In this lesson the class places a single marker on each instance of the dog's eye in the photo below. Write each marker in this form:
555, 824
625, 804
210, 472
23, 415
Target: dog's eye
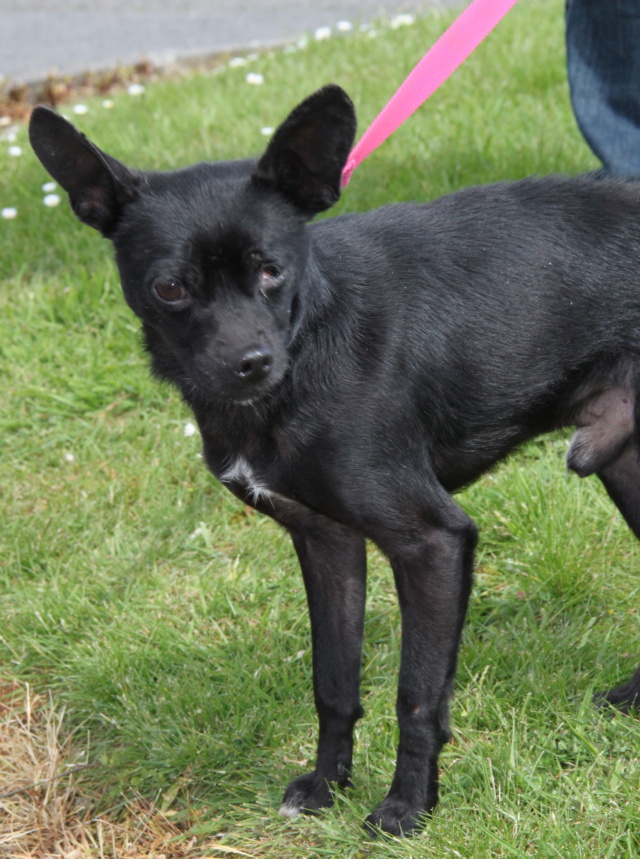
170, 290
270, 277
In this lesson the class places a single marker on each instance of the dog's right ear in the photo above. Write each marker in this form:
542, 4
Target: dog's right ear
307, 153
97, 184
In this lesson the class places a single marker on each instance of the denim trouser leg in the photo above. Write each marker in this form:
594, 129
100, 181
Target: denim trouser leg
603, 63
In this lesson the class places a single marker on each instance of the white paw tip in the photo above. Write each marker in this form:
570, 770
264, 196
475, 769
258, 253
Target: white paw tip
287, 810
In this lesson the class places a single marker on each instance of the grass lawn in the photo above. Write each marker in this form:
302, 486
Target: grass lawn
163, 626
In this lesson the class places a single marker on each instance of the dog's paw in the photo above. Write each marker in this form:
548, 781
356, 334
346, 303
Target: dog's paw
395, 817
306, 795
625, 698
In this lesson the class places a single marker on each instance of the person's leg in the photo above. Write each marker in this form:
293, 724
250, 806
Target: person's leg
603, 64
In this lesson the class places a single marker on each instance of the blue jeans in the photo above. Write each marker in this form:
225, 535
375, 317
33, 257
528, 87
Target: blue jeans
603, 65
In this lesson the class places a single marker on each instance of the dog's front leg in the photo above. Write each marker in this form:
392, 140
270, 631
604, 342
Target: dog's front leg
433, 572
333, 561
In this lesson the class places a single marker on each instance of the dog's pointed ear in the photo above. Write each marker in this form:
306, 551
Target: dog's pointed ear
97, 184
306, 156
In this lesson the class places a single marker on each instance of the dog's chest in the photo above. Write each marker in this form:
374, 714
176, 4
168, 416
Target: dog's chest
242, 473
265, 468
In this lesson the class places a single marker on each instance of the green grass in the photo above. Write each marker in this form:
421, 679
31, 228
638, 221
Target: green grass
171, 621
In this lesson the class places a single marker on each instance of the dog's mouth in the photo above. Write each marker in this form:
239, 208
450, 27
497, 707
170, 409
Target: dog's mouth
249, 402
256, 381
257, 393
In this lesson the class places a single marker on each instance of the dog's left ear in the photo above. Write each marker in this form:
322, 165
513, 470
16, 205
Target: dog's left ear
307, 154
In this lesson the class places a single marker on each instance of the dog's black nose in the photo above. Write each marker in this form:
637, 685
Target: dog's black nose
255, 365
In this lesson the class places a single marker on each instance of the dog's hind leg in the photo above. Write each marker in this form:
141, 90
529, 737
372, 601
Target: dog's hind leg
605, 444
621, 479
333, 562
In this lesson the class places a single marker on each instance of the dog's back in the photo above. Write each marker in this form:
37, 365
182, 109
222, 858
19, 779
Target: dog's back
485, 317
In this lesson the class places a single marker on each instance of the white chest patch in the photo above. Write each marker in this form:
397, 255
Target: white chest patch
241, 472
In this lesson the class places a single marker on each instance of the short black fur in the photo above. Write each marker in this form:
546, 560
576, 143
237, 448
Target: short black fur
348, 376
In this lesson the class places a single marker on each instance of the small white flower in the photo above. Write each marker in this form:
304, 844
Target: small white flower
255, 78
404, 20
15, 151
80, 109
322, 33
237, 62
344, 26
107, 104
69, 457
4, 121
9, 213
302, 43
49, 187
189, 429
136, 89
267, 131
51, 201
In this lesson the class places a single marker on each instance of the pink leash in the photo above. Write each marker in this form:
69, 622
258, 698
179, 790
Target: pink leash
451, 49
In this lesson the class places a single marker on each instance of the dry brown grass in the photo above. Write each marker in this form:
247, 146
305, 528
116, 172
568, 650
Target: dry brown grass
17, 99
43, 812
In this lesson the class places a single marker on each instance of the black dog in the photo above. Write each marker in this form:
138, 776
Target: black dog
348, 376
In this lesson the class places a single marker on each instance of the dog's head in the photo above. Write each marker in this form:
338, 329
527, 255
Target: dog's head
211, 257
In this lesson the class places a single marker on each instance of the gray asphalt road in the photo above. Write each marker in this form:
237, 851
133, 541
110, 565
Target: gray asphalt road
68, 37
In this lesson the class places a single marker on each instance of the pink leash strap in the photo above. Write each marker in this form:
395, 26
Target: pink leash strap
451, 49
